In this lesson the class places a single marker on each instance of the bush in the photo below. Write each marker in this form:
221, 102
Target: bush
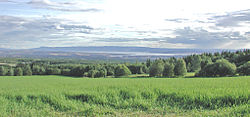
122, 70
220, 68
244, 69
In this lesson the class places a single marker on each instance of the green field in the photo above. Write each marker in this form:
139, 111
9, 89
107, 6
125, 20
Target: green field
67, 96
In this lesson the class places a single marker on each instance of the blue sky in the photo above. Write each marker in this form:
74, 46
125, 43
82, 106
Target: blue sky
145, 23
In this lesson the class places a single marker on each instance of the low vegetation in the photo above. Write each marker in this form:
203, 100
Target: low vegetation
67, 96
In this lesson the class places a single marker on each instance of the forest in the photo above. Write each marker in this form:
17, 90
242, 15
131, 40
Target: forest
215, 64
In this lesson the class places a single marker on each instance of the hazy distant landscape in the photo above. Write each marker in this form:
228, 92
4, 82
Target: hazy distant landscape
104, 52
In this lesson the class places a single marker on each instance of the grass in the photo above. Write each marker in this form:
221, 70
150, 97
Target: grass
66, 96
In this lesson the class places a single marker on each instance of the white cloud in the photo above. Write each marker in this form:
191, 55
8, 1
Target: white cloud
152, 23
77, 6
4, 0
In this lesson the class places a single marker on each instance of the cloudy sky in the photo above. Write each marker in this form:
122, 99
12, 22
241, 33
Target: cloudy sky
144, 23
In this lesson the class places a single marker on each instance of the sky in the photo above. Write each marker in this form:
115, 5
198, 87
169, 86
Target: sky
204, 24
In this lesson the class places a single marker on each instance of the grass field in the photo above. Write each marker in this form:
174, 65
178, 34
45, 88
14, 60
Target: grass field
66, 96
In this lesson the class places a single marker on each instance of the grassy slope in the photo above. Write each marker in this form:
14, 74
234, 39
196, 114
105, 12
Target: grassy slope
58, 96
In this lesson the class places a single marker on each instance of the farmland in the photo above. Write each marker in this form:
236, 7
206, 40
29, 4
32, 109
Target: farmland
71, 96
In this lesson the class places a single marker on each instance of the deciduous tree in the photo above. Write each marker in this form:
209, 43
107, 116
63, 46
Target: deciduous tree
168, 70
180, 68
122, 70
156, 68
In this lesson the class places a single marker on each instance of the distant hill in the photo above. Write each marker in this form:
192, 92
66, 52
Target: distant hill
124, 49
103, 52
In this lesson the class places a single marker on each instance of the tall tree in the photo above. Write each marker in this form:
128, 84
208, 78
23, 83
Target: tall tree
53, 71
156, 68
79, 70
148, 63
10, 72
206, 61
92, 73
180, 68
136, 69
65, 72
122, 70
18, 72
195, 63
36, 70
168, 70
244, 69
101, 73
2, 71
27, 70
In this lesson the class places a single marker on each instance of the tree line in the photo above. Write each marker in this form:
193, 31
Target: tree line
204, 65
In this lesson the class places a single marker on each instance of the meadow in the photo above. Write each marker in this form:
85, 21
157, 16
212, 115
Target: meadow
69, 96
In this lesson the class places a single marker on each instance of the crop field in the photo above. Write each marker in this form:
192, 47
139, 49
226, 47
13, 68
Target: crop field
67, 96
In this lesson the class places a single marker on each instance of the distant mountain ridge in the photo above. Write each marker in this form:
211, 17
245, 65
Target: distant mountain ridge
126, 49
103, 52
